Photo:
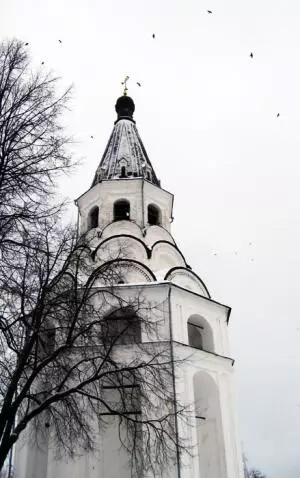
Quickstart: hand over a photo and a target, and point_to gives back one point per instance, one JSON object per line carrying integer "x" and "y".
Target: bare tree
{"x": 72, "y": 352}
{"x": 32, "y": 143}
{"x": 65, "y": 330}
{"x": 251, "y": 472}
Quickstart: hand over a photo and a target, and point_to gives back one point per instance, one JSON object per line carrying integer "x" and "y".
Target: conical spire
{"x": 125, "y": 155}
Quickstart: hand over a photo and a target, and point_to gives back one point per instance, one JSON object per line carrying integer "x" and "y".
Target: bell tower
{"x": 127, "y": 200}
{"x": 127, "y": 204}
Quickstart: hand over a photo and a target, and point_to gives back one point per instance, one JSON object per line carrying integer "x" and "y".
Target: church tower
{"x": 126, "y": 199}
{"x": 127, "y": 202}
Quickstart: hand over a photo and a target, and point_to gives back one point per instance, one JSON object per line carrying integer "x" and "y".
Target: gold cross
{"x": 125, "y": 85}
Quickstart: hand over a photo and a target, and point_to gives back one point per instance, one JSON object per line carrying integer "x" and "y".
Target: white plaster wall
{"x": 186, "y": 304}
{"x": 138, "y": 192}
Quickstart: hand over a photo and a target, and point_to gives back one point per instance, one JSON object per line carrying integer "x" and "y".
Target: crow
{"x": 43, "y": 62}
{"x": 153, "y": 35}
{"x": 26, "y": 44}
{"x": 139, "y": 84}
{"x": 92, "y": 137}
{"x": 251, "y": 55}
{"x": 209, "y": 11}
{"x": 60, "y": 41}
{"x": 278, "y": 114}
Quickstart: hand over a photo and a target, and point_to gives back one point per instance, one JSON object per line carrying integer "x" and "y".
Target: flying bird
{"x": 251, "y": 55}
{"x": 26, "y": 44}
{"x": 60, "y": 41}
{"x": 43, "y": 62}
{"x": 139, "y": 84}
{"x": 153, "y": 35}
{"x": 278, "y": 114}
{"x": 92, "y": 137}
{"x": 209, "y": 11}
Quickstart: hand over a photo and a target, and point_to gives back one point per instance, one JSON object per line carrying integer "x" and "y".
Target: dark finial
{"x": 125, "y": 107}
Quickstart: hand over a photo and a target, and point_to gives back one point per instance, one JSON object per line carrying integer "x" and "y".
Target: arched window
{"x": 121, "y": 327}
{"x": 121, "y": 210}
{"x": 153, "y": 215}
{"x": 200, "y": 334}
{"x": 195, "y": 335}
{"x": 94, "y": 217}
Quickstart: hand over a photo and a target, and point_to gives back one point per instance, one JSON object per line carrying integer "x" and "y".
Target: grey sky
{"x": 206, "y": 113}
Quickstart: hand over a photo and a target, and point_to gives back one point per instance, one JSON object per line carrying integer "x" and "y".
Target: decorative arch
{"x": 121, "y": 236}
{"x": 121, "y": 210}
{"x": 200, "y": 334}
{"x": 128, "y": 227}
{"x": 153, "y": 215}
{"x": 93, "y": 220}
{"x": 174, "y": 246}
{"x": 123, "y": 269}
{"x": 177, "y": 271}
{"x": 157, "y": 233}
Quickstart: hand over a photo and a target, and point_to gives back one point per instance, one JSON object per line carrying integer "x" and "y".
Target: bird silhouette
{"x": 251, "y": 55}
{"x": 92, "y": 137}
{"x": 278, "y": 114}
{"x": 43, "y": 62}
{"x": 26, "y": 44}
{"x": 139, "y": 84}
{"x": 60, "y": 41}
{"x": 209, "y": 11}
{"x": 153, "y": 35}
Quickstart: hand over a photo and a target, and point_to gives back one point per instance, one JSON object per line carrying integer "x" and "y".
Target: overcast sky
{"x": 207, "y": 114}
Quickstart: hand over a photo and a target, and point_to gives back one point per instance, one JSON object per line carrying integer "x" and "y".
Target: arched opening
{"x": 94, "y": 218}
{"x": 121, "y": 327}
{"x": 121, "y": 210}
{"x": 210, "y": 439}
{"x": 123, "y": 172}
{"x": 200, "y": 333}
{"x": 153, "y": 215}
{"x": 195, "y": 336}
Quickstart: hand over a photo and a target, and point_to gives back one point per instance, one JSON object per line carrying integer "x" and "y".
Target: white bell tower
{"x": 126, "y": 199}
{"x": 126, "y": 202}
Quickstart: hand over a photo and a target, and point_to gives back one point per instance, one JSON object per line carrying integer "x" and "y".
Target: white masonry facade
{"x": 126, "y": 202}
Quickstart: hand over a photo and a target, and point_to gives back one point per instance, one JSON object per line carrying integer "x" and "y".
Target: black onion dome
{"x": 125, "y": 107}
